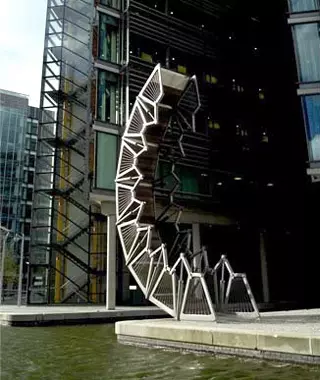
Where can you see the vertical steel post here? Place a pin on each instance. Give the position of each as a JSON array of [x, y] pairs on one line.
[[3, 255], [111, 264], [20, 270]]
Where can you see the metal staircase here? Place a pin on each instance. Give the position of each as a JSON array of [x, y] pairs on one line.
[[64, 227]]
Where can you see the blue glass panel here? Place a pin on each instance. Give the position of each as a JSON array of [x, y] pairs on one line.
[[312, 115], [303, 5], [308, 51]]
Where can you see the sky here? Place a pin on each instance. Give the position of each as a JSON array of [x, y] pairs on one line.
[[22, 25]]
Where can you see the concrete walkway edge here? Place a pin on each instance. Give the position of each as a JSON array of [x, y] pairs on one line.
[[262, 343]]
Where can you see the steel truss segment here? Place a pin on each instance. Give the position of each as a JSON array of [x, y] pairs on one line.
[[131, 266], [210, 314], [126, 160], [223, 262], [153, 115], [136, 245], [126, 238], [155, 298], [132, 139], [190, 111], [124, 195], [135, 214], [126, 179], [157, 263], [126, 214], [163, 250], [137, 121], [123, 175], [152, 91]]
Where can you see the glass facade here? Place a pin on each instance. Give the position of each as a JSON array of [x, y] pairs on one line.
[[308, 47], [192, 181], [106, 160], [28, 174], [311, 105], [13, 122], [109, 38], [303, 5]]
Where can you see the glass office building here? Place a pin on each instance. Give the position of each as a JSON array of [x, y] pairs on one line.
[[305, 23], [18, 136], [13, 122], [238, 196]]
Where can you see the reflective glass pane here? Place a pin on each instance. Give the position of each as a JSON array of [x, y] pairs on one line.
[[109, 39], [312, 116], [308, 50], [303, 5], [111, 3], [106, 160], [108, 96]]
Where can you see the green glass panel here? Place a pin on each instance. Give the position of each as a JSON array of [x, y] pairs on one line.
[[106, 160], [189, 180]]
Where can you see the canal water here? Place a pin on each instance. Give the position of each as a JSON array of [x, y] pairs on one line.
[[92, 352]]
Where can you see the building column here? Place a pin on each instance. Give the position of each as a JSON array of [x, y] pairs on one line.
[[264, 268], [196, 241], [196, 247], [111, 285]]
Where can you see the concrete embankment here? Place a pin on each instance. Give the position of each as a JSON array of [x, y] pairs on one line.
[[62, 315], [285, 336]]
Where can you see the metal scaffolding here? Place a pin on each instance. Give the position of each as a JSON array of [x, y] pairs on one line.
[[67, 262]]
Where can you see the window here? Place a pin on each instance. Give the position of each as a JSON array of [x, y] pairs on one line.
[[148, 50], [106, 160], [34, 128], [24, 193], [191, 180], [29, 191], [28, 126], [304, 5], [311, 105], [111, 3], [308, 47], [27, 212], [31, 161], [109, 39], [108, 95], [33, 144], [159, 5], [27, 229]]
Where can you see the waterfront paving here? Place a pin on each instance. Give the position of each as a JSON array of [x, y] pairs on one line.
[[292, 336], [46, 315]]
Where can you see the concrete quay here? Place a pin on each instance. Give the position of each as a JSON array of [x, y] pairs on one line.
[[285, 336], [62, 315]]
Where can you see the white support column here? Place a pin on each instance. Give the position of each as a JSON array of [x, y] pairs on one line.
[[111, 264], [264, 269]]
